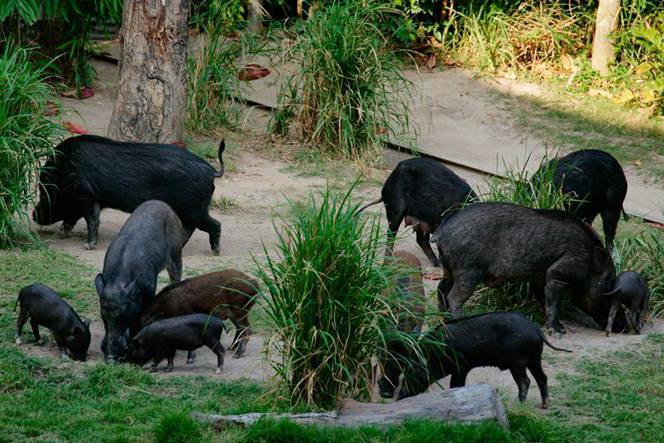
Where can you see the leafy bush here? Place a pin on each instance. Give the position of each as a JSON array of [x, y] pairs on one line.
[[349, 92], [27, 136], [326, 301], [213, 84], [62, 28]]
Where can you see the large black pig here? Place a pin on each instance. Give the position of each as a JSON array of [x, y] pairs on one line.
[[420, 191], [494, 243], [596, 182], [507, 340], [90, 173], [150, 240]]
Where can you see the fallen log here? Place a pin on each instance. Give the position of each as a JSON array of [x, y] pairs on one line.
[[470, 404]]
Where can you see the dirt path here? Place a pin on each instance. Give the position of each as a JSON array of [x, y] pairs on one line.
[[259, 187]]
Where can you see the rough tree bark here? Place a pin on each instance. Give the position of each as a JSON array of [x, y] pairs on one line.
[[607, 22], [151, 100]]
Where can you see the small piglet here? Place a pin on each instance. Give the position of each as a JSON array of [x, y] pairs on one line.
[[630, 290], [507, 340], [44, 307], [409, 289], [227, 294], [162, 338]]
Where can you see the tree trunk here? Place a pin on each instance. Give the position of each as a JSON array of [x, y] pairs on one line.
[[470, 404], [607, 23], [151, 99]]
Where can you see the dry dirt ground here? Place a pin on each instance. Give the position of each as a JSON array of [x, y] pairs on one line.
[[260, 187]]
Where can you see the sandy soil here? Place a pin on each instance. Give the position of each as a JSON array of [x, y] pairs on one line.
[[260, 186]]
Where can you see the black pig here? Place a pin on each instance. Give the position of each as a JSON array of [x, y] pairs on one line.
[[631, 290], [420, 191], [162, 338], [494, 243], [150, 240], [89, 173], [44, 307], [506, 340], [596, 182]]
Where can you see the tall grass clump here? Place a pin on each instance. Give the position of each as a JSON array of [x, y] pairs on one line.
[[212, 73], [326, 300], [348, 92], [644, 253], [536, 190], [26, 137]]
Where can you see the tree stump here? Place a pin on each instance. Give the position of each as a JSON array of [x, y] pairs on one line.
[[151, 100], [470, 404]]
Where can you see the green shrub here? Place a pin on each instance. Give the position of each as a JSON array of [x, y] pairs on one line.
[[177, 427], [348, 93], [326, 301], [27, 136]]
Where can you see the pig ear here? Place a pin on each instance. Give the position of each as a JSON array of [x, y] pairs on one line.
[[99, 284], [78, 331]]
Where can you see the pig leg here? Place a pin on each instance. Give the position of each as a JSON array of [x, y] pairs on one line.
[[191, 356], [615, 304], [535, 367], [552, 293], [462, 290], [242, 333], [61, 347], [170, 358], [444, 288], [66, 228], [213, 228], [174, 268], [216, 347], [610, 218], [155, 363], [522, 381], [92, 220], [395, 215], [23, 316], [425, 244], [35, 330]]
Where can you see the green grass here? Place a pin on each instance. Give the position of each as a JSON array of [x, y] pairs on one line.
[[348, 93], [27, 137], [614, 397]]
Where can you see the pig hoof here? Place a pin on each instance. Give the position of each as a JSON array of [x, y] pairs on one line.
[[153, 369], [169, 369], [217, 371], [190, 361], [90, 246], [238, 355], [545, 405], [215, 252], [64, 357], [608, 333]]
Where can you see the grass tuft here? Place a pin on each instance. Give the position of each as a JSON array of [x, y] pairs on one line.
[[349, 93], [177, 427]]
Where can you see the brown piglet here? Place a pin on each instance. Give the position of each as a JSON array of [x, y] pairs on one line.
[[227, 295]]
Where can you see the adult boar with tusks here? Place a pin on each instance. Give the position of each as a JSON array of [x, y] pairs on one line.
[[419, 192], [507, 340], [150, 240], [90, 173], [494, 243]]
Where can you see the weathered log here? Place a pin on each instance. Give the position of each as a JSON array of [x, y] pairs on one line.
[[151, 98], [470, 404]]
